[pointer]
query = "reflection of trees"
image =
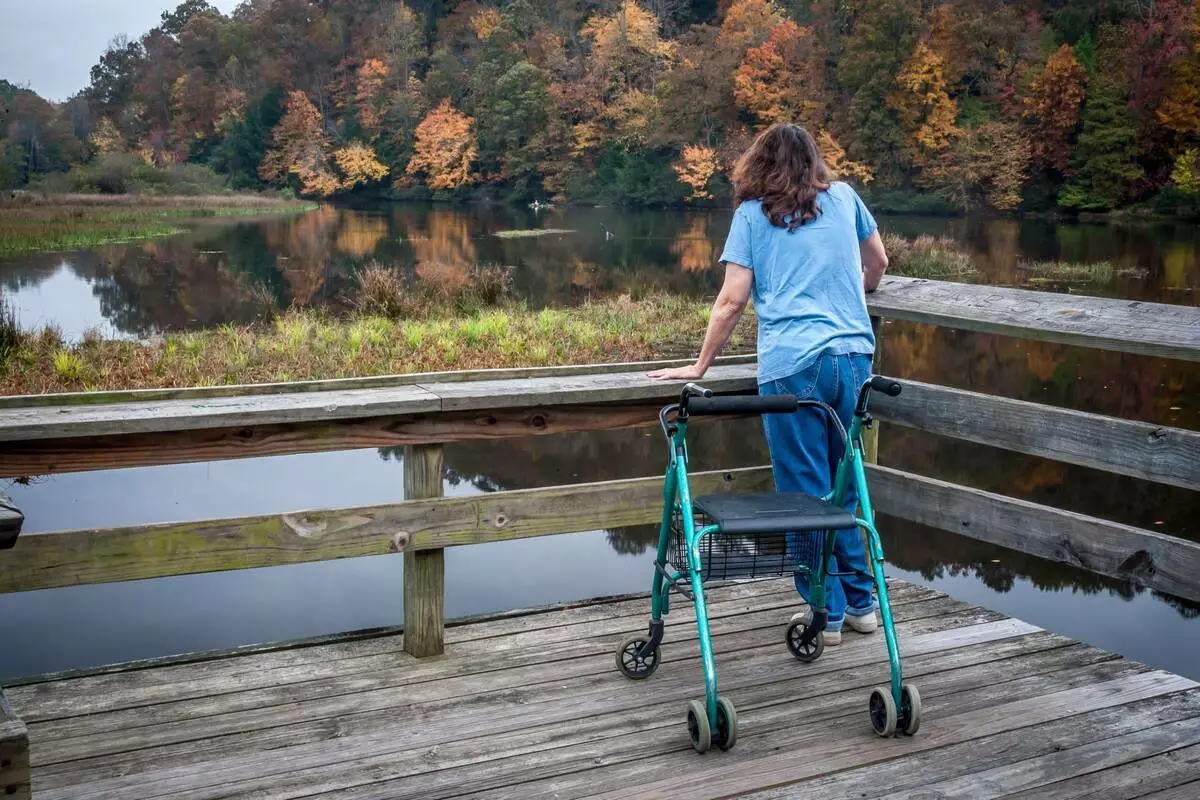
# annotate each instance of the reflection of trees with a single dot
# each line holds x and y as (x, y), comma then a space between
(633, 540)
(359, 234)
(31, 270)
(694, 248)
(304, 246)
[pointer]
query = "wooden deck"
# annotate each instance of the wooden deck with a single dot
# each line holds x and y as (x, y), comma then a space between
(531, 706)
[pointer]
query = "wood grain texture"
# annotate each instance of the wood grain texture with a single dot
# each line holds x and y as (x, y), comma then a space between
(60, 422)
(14, 753)
(1127, 326)
(424, 570)
(78, 558)
(531, 708)
(1143, 558)
(1139, 449)
(25, 424)
(345, 384)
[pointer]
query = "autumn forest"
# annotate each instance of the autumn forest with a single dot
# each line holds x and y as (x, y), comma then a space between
(1030, 105)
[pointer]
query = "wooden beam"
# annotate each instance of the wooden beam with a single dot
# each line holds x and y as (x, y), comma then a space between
(1128, 326)
(51, 456)
(1139, 449)
(1144, 558)
(424, 570)
(14, 754)
(84, 557)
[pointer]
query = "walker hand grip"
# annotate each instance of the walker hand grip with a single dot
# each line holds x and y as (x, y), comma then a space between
(743, 404)
(886, 386)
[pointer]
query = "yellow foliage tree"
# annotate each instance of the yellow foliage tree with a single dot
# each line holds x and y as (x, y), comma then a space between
(106, 138)
(445, 148)
(627, 46)
(838, 162)
(696, 166)
(926, 110)
(358, 164)
(1185, 173)
(368, 93)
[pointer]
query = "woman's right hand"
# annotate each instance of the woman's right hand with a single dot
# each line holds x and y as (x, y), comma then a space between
(692, 372)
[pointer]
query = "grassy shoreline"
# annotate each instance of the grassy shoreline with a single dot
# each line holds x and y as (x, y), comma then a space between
(46, 223)
(310, 345)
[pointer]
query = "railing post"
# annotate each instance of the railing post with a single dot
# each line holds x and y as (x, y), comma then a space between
(14, 754)
(871, 435)
(424, 570)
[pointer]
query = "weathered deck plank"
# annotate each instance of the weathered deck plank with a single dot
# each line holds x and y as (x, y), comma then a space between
(531, 706)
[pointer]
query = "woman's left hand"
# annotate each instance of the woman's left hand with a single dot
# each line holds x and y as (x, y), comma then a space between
(692, 372)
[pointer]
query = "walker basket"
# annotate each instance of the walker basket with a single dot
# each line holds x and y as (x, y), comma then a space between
(724, 557)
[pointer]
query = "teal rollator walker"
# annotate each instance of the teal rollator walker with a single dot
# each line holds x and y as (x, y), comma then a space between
(745, 535)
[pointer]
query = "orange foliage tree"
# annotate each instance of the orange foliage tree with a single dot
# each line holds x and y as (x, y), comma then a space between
(300, 147)
(1052, 108)
(368, 93)
(696, 167)
(445, 148)
(781, 80)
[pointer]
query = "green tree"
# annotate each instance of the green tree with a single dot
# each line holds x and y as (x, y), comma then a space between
(510, 120)
(1104, 168)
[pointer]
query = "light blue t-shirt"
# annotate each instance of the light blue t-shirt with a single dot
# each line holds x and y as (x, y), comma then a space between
(808, 283)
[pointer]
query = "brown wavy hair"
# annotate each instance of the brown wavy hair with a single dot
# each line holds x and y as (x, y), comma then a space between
(785, 170)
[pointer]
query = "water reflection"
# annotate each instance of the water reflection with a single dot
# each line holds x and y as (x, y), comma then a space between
(230, 271)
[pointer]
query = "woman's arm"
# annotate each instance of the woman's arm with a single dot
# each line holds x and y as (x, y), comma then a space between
(875, 261)
(726, 311)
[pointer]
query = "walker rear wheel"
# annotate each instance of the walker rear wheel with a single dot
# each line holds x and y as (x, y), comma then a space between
(726, 736)
(910, 710)
(632, 665)
(698, 729)
(809, 651)
(883, 712)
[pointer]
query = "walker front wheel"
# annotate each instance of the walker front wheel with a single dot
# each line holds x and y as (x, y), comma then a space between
(806, 651)
(698, 728)
(631, 664)
(883, 712)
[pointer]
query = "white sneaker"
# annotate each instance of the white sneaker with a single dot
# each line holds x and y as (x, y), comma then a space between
(864, 624)
(832, 638)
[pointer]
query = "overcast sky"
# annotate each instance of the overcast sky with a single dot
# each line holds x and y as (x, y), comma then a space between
(50, 45)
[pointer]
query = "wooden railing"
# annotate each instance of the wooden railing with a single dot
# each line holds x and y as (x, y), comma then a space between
(66, 433)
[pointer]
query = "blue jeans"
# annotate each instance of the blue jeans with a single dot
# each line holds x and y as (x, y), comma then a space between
(805, 451)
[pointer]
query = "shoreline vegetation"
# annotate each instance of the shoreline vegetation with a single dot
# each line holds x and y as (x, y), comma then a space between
(391, 326)
(32, 223)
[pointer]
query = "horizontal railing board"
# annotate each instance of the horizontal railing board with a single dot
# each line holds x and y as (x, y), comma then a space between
(346, 384)
(1156, 453)
(76, 558)
(1128, 326)
(52, 456)
(160, 416)
(1144, 558)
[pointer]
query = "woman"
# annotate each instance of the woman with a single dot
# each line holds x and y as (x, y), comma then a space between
(808, 250)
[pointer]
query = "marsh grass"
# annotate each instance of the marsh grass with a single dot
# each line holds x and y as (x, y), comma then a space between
(1077, 272)
(69, 222)
(311, 345)
(927, 256)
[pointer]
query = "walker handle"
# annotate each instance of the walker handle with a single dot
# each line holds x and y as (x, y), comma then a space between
(886, 386)
(743, 404)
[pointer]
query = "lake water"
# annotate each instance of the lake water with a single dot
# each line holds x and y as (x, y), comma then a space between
(228, 272)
